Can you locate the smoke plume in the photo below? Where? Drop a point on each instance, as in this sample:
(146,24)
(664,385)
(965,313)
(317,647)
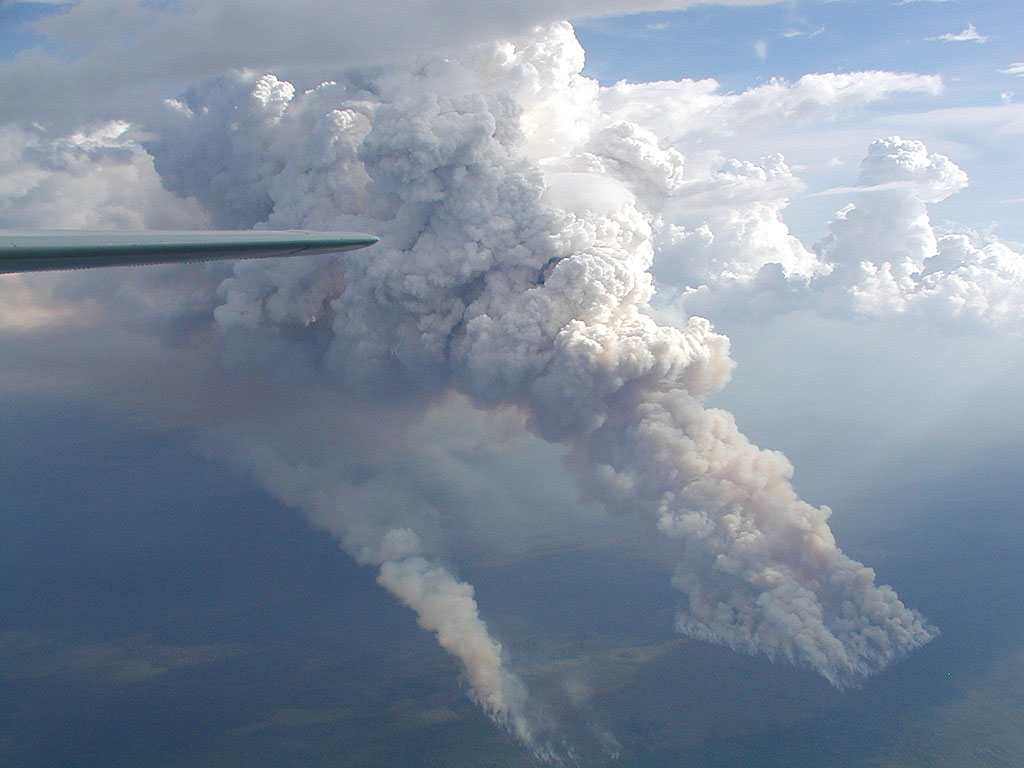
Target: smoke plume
(518,224)
(526,217)
(443,604)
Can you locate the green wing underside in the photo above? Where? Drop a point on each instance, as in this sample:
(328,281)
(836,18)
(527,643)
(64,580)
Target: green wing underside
(44,251)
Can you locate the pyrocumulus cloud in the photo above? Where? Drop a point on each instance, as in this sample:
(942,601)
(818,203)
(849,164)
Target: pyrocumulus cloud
(518,222)
(529,220)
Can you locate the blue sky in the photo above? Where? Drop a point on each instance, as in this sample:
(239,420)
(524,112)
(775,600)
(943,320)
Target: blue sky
(723,43)
(16,25)
(742,47)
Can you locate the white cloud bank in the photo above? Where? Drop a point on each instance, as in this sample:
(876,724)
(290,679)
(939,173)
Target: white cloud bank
(526,216)
(102,54)
(98,178)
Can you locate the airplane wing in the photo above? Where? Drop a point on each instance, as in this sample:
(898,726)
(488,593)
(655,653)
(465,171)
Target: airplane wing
(68,249)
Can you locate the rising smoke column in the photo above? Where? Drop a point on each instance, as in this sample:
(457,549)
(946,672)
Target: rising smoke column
(365,519)
(517,224)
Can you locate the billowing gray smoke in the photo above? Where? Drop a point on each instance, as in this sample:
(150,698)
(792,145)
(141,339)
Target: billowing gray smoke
(517,223)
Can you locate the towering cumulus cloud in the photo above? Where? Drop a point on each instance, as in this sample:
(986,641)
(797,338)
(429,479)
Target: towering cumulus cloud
(518,222)
(881,258)
(886,258)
